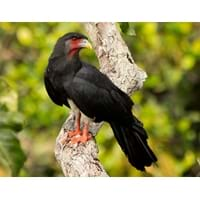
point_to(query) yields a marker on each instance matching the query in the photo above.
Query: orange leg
(77, 131)
(84, 137)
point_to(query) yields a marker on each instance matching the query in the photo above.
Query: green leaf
(8, 96)
(11, 120)
(127, 28)
(124, 26)
(11, 154)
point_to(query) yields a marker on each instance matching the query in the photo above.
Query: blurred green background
(168, 104)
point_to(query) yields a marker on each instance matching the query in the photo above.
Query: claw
(81, 139)
(74, 133)
(69, 135)
(84, 137)
(78, 136)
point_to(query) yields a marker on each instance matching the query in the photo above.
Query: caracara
(92, 95)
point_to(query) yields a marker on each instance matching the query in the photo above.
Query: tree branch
(116, 62)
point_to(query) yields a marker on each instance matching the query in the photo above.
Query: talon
(81, 139)
(69, 134)
(74, 133)
(84, 137)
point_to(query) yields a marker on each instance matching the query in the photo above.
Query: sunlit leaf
(183, 124)
(188, 62)
(24, 35)
(196, 47)
(8, 95)
(152, 81)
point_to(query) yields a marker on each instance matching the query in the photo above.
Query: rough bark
(116, 61)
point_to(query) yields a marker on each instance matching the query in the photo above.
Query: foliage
(168, 104)
(127, 28)
(11, 155)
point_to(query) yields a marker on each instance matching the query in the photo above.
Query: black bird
(91, 95)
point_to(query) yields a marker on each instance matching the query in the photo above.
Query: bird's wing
(97, 97)
(51, 91)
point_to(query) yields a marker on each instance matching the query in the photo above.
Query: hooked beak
(84, 43)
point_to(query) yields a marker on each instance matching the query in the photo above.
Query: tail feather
(133, 141)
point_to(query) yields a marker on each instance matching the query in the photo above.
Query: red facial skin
(74, 46)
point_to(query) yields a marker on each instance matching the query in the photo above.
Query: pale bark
(116, 61)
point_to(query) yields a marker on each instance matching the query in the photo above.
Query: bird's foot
(81, 139)
(74, 133)
(69, 134)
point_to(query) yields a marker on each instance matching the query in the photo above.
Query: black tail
(133, 141)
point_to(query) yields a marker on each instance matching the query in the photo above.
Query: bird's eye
(74, 38)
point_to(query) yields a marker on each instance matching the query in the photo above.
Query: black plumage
(67, 77)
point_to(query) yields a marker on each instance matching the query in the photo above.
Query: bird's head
(70, 44)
